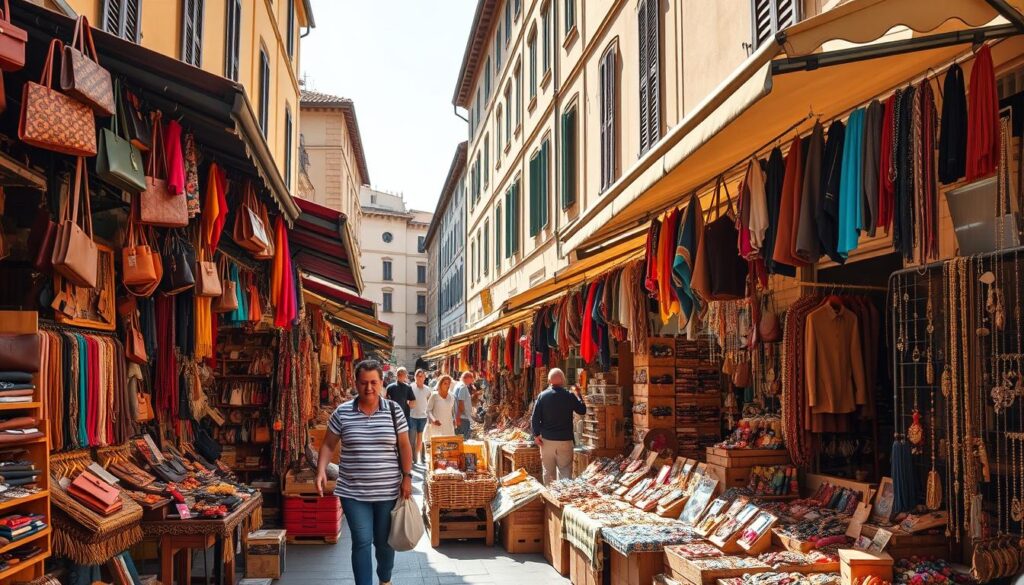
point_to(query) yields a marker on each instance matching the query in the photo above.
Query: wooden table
(178, 538)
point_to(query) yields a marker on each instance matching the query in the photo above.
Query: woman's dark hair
(368, 366)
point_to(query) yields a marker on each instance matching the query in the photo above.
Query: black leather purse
(179, 256)
(135, 125)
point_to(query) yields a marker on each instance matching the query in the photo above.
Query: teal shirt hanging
(851, 186)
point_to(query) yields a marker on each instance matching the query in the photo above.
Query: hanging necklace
(915, 432)
(929, 371)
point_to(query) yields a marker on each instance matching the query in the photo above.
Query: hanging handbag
(228, 299)
(75, 255)
(134, 123)
(135, 343)
(12, 42)
(179, 258)
(261, 433)
(741, 371)
(81, 75)
(137, 256)
(768, 328)
(207, 277)
(53, 121)
(118, 161)
(145, 407)
(249, 231)
(41, 238)
(159, 206)
(268, 252)
(158, 265)
(727, 270)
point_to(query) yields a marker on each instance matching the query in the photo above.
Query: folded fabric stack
(19, 429)
(17, 473)
(18, 556)
(16, 387)
(15, 527)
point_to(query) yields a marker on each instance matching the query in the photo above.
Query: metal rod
(1009, 13)
(846, 286)
(844, 56)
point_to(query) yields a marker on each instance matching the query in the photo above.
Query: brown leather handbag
(207, 277)
(12, 42)
(41, 238)
(158, 205)
(137, 256)
(268, 252)
(135, 344)
(145, 407)
(19, 352)
(53, 121)
(75, 255)
(81, 76)
(249, 232)
(768, 328)
(158, 265)
(228, 299)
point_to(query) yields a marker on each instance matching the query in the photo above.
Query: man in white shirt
(464, 404)
(418, 415)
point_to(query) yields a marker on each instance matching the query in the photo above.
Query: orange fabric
(667, 301)
(789, 207)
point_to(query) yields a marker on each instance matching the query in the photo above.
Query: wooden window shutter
(653, 72)
(517, 211)
(192, 32)
(545, 181)
(123, 18)
(497, 237)
(534, 219)
(768, 17)
(645, 112)
(608, 88)
(233, 39)
(601, 122)
(569, 158)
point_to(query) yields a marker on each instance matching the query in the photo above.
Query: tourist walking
(553, 428)
(375, 470)
(401, 392)
(440, 409)
(418, 414)
(464, 404)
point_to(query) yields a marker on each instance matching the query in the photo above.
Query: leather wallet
(95, 493)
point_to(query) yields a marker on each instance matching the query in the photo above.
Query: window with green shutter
(512, 224)
(534, 194)
(649, 25)
(497, 238)
(569, 158)
(545, 180)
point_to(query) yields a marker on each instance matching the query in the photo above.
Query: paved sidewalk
(452, 563)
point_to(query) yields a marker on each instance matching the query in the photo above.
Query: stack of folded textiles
(16, 387)
(18, 556)
(19, 429)
(15, 527)
(17, 473)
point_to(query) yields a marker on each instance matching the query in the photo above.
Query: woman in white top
(418, 416)
(440, 407)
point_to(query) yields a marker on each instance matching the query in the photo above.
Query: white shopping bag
(406, 525)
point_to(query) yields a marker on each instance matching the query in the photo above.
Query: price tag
(183, 511)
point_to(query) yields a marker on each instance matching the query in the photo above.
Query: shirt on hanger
(833, 361)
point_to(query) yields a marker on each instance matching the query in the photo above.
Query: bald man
(553, 428)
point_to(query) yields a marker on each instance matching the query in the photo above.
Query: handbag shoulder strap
(46, 79)
(6, 16)
(156, 154)
(81, 200)
(86, 46)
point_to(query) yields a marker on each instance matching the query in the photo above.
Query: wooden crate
(466, 524)
(903, 545)
(516, 456)
(303, 483)
(687, 570)
(644, 390)
(555, 547)
(580, 571)
(531, 514)
(855, 564)
(636, 568)
(729, 477)
(521, 539)
(654, 422)
(746, 457)
(644, 374)
(791, 544)
(604, 428)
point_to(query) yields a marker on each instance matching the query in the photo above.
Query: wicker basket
(525, 456)
(80, 534)
(453, 492)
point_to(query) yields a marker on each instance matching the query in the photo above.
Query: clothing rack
(51, 325)
(843, 286)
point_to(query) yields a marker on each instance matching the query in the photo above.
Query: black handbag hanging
(179, 256)
(727, 270)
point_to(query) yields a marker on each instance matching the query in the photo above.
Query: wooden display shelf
(35, 564)
(747, 457)
(43, 494)
(459, 524)
(636, 568)
(555, 547)
(580, 571)
(686, 570)
(44, 533)
(19, 405)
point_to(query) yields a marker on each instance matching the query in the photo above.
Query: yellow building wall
(264, 24)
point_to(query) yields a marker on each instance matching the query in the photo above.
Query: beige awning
(753, 107)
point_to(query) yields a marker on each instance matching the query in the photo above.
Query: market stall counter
(178, 538)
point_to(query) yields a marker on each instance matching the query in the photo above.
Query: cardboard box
(265, 554)
(854, 564)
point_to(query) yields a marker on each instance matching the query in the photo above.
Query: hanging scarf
(851, 190)
(215, 208)
(953, 134)
(283, 280)
(166, 381)
(872, 151)
(191, 175)
(903, 218)
(831, 174)
(588, 347)
(807, 246)
(982, 118)
(667, 301)
(774, 176)
(651, 258)
(174, 158)
(789, 210)
(929, 241)
(886, 164)
(690, 230)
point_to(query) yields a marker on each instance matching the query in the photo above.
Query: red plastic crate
(312, 516)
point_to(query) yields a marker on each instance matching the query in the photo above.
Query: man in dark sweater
(552, 426)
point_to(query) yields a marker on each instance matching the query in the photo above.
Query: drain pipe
(556, 134)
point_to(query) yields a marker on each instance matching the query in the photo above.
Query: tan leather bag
(75, 255)
(145, 411)
(159, 206)
(207, 276)
(249, 232)
(135, 344)
(137, 257)
(228, 299)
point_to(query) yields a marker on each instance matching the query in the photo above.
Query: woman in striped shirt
(375, 469)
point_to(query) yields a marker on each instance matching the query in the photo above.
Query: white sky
(398, 60)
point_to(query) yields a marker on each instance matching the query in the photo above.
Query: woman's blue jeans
(370, 523)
